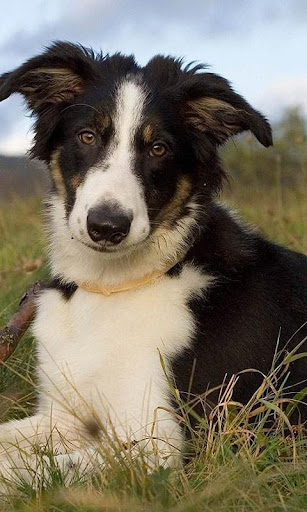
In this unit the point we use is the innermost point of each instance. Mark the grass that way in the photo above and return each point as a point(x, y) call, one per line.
point(236, 466)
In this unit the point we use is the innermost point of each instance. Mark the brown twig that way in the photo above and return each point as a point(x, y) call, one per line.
point(19, 323)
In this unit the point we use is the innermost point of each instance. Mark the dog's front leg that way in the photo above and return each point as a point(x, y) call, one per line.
point(154, 447)
point(17, 443)
point(83, 464)
point(27, 445)
point(23, 433)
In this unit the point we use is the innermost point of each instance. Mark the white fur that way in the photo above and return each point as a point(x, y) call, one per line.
point(113, 179)
point(99, 357)
point(74, 261)
point(116, 370)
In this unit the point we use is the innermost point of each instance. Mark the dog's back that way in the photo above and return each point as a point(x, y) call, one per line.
point(154, 280)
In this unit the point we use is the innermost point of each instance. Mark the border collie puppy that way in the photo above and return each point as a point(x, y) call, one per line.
point(146, 264)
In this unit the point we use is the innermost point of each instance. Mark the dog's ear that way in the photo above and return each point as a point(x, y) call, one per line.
point(212, 107)
point(58, 75)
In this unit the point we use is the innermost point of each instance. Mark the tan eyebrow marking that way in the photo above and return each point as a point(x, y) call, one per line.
point(105, 120)
point(148, 133)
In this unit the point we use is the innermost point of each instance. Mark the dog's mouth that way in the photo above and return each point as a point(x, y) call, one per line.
point(98, 247)
point(107, 248)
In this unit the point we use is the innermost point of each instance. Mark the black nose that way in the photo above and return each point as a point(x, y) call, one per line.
point(108, 224)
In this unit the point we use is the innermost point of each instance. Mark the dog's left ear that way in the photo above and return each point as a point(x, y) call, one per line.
point(56, 76)
point(213, 108)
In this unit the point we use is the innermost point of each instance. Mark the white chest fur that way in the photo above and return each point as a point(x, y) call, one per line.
point(102, 353)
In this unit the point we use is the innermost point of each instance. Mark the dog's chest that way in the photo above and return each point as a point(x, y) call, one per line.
point(110, 347)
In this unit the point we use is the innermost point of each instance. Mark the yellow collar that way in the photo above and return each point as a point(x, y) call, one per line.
point(125, 286)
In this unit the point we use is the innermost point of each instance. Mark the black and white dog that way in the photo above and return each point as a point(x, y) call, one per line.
point(146, 263)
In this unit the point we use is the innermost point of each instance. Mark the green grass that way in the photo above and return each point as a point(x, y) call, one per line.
point(236, 466)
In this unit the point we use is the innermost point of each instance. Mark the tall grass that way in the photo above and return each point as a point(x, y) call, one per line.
point(236, 464)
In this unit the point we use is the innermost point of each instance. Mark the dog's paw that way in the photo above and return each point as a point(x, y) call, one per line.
point(41, 471)
point(10, 475)
point(78, 465)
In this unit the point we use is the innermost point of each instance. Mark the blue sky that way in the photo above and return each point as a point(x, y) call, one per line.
point(259, 45)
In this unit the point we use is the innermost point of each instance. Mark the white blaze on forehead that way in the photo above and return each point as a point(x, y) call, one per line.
point(129, 108)
point(113, 179)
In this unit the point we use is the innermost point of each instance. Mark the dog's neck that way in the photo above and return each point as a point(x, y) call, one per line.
point(72, 261)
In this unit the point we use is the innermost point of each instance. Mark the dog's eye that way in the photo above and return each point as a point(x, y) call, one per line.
point(87, 138)
point(158, 149)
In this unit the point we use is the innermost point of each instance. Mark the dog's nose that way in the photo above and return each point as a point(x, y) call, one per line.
point(107, 224)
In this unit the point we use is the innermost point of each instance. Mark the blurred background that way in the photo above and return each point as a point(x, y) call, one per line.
point(260, 46)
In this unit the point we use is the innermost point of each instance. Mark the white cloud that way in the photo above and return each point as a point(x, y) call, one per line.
point(19, 140)
point(284, 93)
point(255, 46)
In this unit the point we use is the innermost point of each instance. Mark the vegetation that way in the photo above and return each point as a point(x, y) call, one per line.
point(237, 464)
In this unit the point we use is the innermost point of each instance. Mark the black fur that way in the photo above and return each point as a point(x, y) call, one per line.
point(67, 289)
point(257, 305)
point(259, 294)
point(62, 108)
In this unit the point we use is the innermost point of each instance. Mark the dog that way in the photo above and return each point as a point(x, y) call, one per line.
point(153, 279)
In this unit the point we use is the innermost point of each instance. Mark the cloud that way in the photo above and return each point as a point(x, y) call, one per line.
point(181, 27)
point(11, 111)
point(15, 144)
point(15, 127)
point(284, 93)
point(114, 23)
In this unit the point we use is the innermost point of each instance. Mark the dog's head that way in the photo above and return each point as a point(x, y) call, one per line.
point(129, 148)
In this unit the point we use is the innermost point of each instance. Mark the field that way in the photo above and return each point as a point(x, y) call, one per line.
point(236, 467)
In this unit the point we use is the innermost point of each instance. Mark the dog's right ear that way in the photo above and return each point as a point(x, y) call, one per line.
point(56, 76)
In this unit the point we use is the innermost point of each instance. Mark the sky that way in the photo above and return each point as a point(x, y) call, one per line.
point(259, 45)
